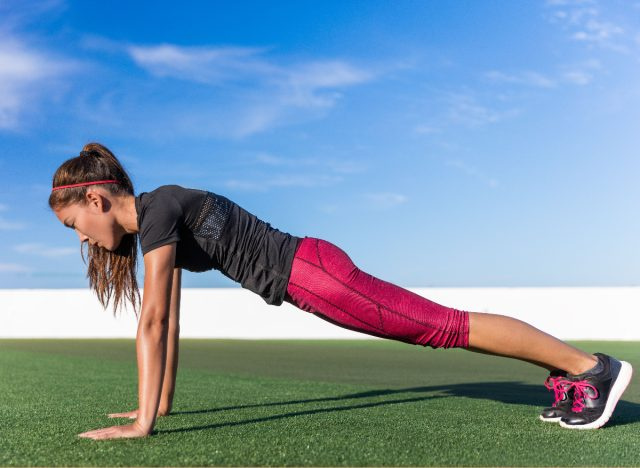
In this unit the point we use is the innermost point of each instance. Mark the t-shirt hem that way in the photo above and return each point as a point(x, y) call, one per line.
point(285, 275)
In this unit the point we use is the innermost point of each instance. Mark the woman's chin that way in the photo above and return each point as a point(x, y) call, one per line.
point(105, 247)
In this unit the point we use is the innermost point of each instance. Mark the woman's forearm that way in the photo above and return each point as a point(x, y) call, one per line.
point(151, 349)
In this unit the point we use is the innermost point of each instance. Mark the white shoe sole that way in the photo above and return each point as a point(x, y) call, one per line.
point(552, 420)
point(620, 385)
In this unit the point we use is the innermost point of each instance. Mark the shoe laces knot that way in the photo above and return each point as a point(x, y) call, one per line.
point(560, 385)
point(580, 394)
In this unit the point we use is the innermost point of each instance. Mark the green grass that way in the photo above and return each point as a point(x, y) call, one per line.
point(323, 403)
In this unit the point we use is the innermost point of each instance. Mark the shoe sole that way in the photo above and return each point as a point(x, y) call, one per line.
point(620, 385)
point(553, 420)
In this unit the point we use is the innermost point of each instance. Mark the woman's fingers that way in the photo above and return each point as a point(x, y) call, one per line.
point(129, 414)
point(114, 432)
point(97, 434)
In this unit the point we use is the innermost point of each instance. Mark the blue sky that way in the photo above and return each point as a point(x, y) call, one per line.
point(458, 143)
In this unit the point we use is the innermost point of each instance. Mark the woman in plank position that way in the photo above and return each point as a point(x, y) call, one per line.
point(199, 230)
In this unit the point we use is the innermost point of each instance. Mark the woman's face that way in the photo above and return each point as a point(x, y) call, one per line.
point(94, 222)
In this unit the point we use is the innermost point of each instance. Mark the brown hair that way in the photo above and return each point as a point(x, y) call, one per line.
point(110, 273)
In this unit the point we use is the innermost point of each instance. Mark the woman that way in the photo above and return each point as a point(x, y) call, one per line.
point(199, 230)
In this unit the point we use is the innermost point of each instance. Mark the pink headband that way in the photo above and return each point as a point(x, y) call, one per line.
point(97, 182)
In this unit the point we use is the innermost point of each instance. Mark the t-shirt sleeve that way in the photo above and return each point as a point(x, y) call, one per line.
point(161, 224)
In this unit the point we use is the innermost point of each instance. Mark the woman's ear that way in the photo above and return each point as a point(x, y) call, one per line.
point(97, 201)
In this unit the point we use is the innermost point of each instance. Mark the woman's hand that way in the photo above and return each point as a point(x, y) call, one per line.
point(163, 410)
point(116, 432)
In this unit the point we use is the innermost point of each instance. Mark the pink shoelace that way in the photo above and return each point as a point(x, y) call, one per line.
point(559, 385)
point(579, 394)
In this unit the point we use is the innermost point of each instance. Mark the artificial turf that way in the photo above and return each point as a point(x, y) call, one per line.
point(300, 403)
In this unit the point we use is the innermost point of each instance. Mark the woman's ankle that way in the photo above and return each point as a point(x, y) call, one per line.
point(583, 365)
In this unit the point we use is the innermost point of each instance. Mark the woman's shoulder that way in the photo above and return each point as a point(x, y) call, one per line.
point(175, 191)
point(180, 191)
point(172, 197)
point(169, 188)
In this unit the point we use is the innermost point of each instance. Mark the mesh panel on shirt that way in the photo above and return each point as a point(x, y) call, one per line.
point(213, 217)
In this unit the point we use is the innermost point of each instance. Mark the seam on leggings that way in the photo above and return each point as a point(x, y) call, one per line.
point(318, 254)
point(380, 317)
point(336, 306)
point(427, 325)
point(354, 328)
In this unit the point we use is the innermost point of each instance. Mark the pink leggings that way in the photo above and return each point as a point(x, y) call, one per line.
point(325, 282)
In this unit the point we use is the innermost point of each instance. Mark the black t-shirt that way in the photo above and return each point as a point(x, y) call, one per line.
point(212, 232)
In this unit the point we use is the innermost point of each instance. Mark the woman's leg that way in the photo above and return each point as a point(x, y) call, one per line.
point(325, 282)
point(506, 336)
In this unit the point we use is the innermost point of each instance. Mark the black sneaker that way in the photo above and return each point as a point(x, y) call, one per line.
point(595, 396)
point(561, 387)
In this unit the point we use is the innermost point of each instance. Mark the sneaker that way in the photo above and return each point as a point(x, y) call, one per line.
point(561, 387)
point(595, 395)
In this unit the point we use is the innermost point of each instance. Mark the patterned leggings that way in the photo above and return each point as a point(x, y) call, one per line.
point(325, 282)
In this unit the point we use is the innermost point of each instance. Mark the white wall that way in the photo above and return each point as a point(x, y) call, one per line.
point(568, 313)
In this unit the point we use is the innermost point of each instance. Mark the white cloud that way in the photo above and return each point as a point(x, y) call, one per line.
point(45, 251)
point(27, 73)
point(3, 207)
point(386, 199)
point(306, 85)
point(26, 77)
point(209, 91)
point(211, 65)
point(597, 31)
point(573, 74)
point(260, 92)
point(13, 268)
point(590, 23)
point(220, 65)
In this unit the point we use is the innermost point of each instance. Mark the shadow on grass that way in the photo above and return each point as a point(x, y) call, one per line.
point(625, 413)
point(292, 413)
point(504, 392)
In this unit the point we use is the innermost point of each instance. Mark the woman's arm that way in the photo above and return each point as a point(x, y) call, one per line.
point(171, 365)
point(151, 344)
point(173, 342)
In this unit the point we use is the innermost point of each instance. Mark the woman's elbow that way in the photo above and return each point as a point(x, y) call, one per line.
point(154, 323)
